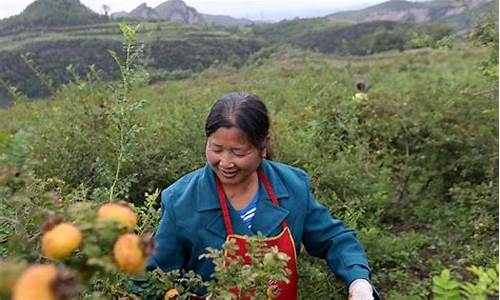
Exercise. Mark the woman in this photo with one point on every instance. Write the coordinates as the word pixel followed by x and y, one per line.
pixel 240 192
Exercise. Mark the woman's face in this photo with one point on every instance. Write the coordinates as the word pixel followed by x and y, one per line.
pixel 231 156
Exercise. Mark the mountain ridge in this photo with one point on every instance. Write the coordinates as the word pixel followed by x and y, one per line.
pixel 51 13
pixel 144 12
pixel 179 11
pixel 409 11
pixel 43 14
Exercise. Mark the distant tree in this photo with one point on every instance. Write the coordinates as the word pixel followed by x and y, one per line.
pixel 106 9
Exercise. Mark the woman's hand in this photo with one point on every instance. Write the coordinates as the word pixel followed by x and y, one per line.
pixel 360 289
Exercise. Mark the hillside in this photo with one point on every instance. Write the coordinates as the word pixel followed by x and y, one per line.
pixel 187 48
pixel 342 38
pixel 226 20
pixel 395 24
pixel 191 42
pixel 43 14
pixel 173 49
pixel 409 11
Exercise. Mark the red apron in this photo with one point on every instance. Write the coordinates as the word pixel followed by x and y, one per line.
pixel 284 242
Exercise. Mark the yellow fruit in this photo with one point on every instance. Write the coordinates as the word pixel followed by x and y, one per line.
pixel 121 213
pixel 130 254
pixel 272 292
pixel 36 283
pixel 61 240
pixel 171 294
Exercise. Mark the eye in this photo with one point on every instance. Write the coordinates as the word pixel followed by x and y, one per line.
pixel 215 149
pixel 239 153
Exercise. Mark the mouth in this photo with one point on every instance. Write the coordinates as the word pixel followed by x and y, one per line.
pixel 228 173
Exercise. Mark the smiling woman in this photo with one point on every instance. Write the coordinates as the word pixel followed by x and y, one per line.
pixel 241 193
pixel 236 144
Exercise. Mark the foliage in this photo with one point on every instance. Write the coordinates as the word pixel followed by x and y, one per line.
pixel 31 202
pixel 426 41
pixel 445 287
pixel 486 34
pixel 24 202
pixel 177 51
pixel 46 81
pixel 154 284
pixel 149 214
pixel 246 279
pixel 121 113
pixel 17 96
pixel 316 281
pixel 413 166
pixel 353 39
pixel 48 59
pixel 179 56
pixel 289 30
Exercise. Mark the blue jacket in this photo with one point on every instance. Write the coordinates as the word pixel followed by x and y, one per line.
pixel 191 221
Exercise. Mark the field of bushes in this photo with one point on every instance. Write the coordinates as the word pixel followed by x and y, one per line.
pixel 171 48
pixel 176 50
pixel 413 166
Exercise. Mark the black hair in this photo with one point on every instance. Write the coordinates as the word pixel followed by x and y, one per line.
pixel 244 111
pixel 361 86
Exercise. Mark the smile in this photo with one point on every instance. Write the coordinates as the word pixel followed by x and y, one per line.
pixel 227 173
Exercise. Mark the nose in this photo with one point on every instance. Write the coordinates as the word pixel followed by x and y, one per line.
pixel 226 165
pixel 226 162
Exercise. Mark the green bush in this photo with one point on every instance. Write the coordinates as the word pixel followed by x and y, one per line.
pixel 413 166
pixel 486 285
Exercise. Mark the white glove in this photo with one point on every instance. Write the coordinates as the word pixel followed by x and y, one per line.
pixel 360 289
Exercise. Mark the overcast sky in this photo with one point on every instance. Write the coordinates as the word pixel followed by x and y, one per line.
pixel 252 9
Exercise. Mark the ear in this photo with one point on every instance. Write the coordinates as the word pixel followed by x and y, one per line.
pixel 263 153
pixel 264 148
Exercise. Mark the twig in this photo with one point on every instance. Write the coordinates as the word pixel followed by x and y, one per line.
pixel 10 220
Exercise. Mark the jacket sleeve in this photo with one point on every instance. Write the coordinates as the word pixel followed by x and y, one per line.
pixel 328 238
pixel 169 254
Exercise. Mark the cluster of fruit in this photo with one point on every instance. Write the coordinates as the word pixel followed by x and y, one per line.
pixel 61 239
pixel 104 247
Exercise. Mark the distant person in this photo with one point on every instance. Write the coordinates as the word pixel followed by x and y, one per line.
pixel 361 87
pixel 240 192
pixel 361 95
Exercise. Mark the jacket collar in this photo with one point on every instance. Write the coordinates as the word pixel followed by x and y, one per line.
pixel 207 191
pixel 278 187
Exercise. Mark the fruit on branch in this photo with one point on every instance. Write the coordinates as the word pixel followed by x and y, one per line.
pixel 272 292
pixel 171 294
pixel 45 282
pixel 36 283
pixel 60 239
pixel 119 212
pixel 131 252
